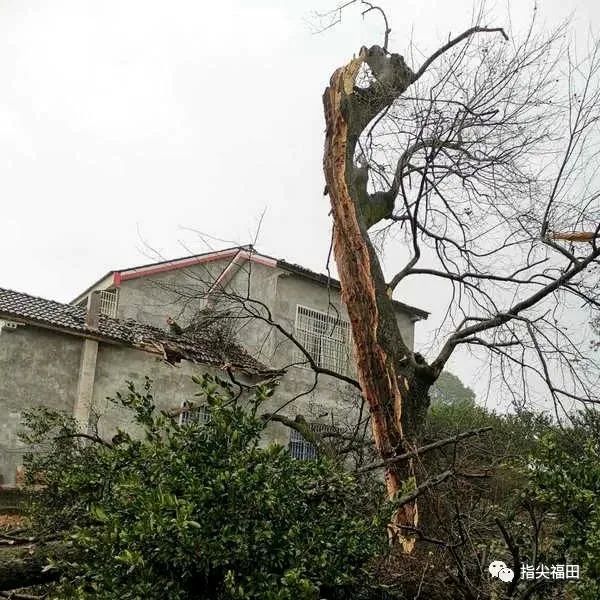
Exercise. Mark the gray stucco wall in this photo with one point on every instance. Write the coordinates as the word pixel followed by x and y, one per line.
pixel 150 300
pixel 37 367
pixel 40 367
pixel 117 364
pixel 171 386
pixel 290 290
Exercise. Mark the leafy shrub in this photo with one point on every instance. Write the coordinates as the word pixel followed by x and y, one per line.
pixel 198 511
pixel 565 473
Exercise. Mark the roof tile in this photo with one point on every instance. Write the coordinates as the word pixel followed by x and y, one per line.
pixel 191 347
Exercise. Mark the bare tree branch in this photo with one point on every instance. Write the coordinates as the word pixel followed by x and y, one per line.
pixel 427 448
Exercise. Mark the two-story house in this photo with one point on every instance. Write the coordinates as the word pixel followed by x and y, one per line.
pixel 271 313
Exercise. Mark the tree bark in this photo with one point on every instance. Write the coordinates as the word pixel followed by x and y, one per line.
pixel 575 236
pixel 392 383
pixel 22 567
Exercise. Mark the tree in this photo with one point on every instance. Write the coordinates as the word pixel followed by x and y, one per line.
pixel 477 157
pixel 449 389
pixel 197 510
pixel 485 512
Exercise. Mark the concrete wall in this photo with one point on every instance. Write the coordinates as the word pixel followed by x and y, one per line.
pixel 37 367
pixel 282 292
pixel 148 300
pixel 40 367
pixel 152 298
pixel 171 386
pixel 118 364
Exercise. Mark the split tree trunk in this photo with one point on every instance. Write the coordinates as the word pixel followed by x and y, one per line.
pixel 391 381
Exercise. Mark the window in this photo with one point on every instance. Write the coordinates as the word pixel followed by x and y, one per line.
pixel 326 337
pixel 300 448
pixel 193 414
pixel 108 302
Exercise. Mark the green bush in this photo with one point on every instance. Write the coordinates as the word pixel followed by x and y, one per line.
pixel 199 511
pixel 565 475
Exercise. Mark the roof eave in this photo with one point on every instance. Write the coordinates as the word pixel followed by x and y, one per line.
pixel 115 341
pixel 43 324
pixel 326 280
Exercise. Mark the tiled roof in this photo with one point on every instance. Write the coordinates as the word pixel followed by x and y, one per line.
pixel 51 314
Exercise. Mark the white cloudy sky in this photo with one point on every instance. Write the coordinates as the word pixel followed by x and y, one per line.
pixel 123 122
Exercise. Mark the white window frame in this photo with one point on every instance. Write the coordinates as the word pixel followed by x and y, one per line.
pixel 109 302
pixel 300 448
pixel 327 338
pixel 190 413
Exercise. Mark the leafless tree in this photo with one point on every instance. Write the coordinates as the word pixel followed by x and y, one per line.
pixel 478 160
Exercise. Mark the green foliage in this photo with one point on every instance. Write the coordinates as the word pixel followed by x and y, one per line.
pixel 460 533
pixel 199 511
pixel 69 470
pixel 501 452
pixel 543 488
pixel 565 473
pixel 512 436
pixel 203 511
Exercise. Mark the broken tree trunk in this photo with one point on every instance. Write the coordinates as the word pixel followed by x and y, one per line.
pixel 25 566
pixel 392 382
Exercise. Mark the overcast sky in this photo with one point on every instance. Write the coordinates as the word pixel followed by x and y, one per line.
pixel 124 122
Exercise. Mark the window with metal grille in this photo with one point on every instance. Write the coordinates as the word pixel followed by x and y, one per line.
pixel 109 300
pixel 302 449
pixel 326 337
pixel 193 414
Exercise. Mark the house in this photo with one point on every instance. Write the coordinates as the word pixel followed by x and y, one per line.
pixel 235 311
pixel 72 358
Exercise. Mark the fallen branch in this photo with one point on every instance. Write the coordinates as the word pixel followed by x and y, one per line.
pixel 19 596
pixel 86 436
pixel 434 445
pixel 574 236
pixel 425 538
pixel 423 487
pixel 7 540
pixel 27 566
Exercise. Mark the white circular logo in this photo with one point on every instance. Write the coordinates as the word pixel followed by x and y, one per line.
pixel 506 574
pixel 495 567
pixel 499 569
